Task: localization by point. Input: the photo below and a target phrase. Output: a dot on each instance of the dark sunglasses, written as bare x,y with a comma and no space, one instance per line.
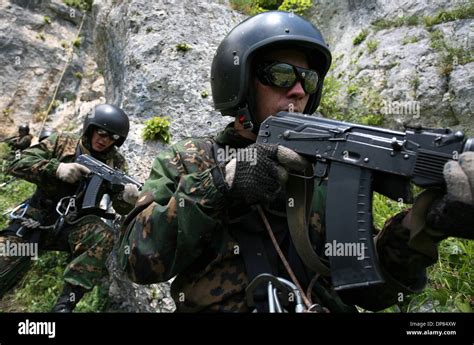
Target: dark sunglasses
285,75
106,134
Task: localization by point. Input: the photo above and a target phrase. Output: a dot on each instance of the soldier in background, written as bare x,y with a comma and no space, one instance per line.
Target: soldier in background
51,166
23,140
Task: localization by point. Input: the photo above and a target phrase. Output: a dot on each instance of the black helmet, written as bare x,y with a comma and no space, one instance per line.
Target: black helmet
233,59
110,118
45,133
24,129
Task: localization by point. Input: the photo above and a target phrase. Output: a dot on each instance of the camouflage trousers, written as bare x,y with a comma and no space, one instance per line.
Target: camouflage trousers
89,243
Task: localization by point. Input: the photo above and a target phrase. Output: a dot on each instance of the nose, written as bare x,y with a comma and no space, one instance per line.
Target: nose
296,91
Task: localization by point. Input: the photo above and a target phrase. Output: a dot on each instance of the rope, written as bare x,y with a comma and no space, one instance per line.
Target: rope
282,257
68,62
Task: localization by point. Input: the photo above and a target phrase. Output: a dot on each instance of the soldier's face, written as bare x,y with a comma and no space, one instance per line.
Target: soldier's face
101,142
271,99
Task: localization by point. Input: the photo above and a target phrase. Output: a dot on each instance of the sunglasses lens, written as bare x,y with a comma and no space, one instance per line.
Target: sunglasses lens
282,75
103,133
310,81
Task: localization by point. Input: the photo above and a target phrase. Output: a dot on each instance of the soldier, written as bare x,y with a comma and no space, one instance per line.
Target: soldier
50,165
196,217
23,140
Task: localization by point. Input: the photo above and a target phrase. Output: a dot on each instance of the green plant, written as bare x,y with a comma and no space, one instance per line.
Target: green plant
352,89
78,75
462,12
84,5
372,46
299,7
329,102
252,7
409,39
449,55
149,29
384,23
56,104
204,94
415,82
360,37
157,128
183,47
47,20
77,42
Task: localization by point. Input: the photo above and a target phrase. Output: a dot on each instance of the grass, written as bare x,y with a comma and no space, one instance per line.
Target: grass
461,12
372,46
360,37
450,55
252,7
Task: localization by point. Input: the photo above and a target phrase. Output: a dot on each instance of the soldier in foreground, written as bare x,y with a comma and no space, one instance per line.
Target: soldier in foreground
197,218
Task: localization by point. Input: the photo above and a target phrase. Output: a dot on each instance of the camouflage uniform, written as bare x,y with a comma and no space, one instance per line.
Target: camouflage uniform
187,232
89,241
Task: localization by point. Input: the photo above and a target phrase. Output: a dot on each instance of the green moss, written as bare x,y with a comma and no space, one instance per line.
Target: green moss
84,5
409,39
360,37
449,55
157,128
329,104
384,23
78,75
252,7
372,46
352,89
415,82
463,12
47,20
77,42
183,47
296,6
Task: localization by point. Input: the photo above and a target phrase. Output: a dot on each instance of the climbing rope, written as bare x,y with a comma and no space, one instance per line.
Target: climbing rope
68,62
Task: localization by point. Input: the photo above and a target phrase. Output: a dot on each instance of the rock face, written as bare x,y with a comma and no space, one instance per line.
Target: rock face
35,39
149,76
403,69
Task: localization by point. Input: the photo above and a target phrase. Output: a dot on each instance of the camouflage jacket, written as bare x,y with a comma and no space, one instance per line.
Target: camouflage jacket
184,233
39,163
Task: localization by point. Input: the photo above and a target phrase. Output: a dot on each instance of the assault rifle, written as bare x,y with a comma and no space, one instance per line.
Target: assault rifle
357,160
102,177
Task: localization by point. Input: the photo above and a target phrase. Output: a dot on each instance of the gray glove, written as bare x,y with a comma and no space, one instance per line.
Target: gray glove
453,215
261,179
71,172
130,194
